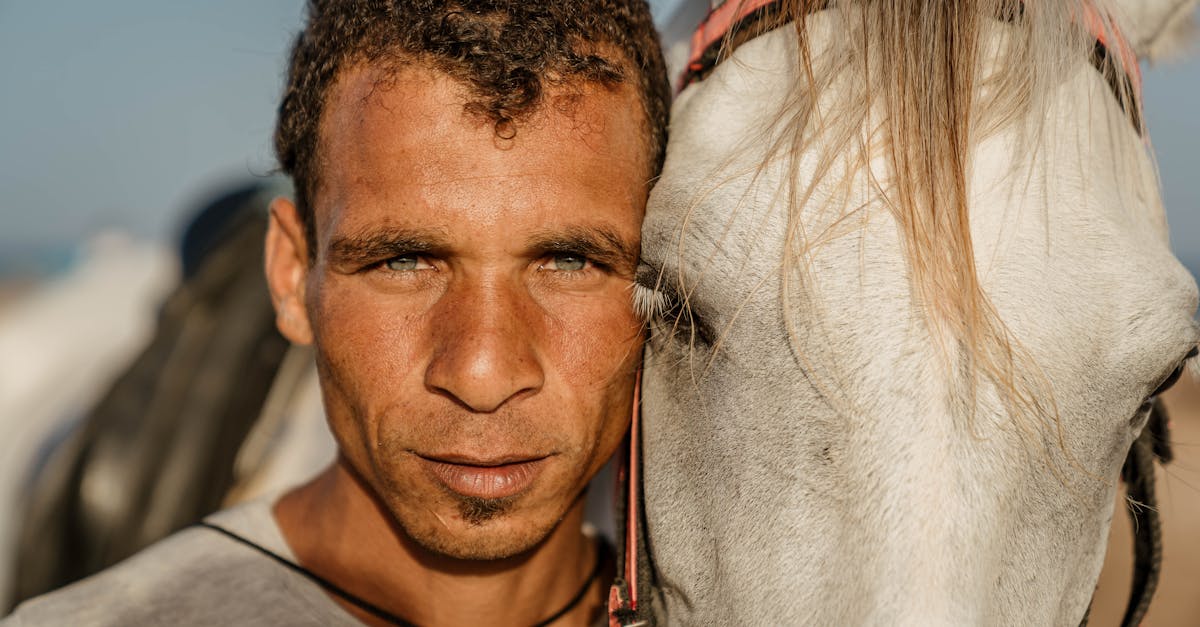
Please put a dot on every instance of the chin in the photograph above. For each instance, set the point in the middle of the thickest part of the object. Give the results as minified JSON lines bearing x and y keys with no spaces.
{"x":445,"y":523}
{"x":480,"y":531}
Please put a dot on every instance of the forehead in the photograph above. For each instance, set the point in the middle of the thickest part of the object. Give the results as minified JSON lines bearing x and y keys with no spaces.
{"x":402,"y":136}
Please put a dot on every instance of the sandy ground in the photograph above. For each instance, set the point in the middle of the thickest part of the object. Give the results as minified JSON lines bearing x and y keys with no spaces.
{"x":1178,"y":599}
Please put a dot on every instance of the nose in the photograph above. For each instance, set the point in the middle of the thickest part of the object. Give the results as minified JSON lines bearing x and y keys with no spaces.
{"x":485,"y":347}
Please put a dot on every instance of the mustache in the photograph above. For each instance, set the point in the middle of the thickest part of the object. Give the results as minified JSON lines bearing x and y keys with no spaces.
{"x":529,"y":433}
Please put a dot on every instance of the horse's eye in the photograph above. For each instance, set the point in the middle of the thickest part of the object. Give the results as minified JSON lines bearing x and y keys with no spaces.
{"x":1170,"y":381}
{"x":1175,"y":374}
{"x":657,"y":302}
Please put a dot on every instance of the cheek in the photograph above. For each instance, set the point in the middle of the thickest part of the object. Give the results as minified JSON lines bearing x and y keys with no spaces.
{"x":368,"y":344}
{"x":597,"y":346}
{"x":599,"y":349}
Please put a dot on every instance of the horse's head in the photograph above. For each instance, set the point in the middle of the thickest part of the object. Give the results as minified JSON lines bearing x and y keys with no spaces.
{"x":913,"y":291}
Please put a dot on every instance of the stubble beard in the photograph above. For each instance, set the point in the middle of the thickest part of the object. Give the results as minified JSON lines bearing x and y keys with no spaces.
{"x":486,"y":529}
{"x":486,"y":544}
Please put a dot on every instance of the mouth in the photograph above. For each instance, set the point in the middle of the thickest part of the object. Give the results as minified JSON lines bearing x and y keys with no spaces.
{"x":494,"y":478}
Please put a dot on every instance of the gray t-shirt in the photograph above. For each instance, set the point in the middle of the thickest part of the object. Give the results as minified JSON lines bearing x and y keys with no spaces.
{"x":195,"y":577}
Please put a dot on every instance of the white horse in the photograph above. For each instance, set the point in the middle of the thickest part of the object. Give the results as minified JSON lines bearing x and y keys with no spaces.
{"x":912,"y":290}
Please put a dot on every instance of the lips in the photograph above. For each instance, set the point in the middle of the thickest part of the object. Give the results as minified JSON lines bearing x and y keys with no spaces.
{"x":485,"y":479}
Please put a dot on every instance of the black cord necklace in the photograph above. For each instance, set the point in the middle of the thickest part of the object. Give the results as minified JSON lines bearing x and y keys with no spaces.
{"x":602,"y":557}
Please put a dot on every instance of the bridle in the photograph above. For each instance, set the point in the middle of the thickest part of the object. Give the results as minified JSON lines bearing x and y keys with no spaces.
{"x":726,"y":28}
{"x":736,"y":22}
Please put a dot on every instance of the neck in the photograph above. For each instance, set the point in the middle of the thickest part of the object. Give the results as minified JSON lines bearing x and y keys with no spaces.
{"x":337,"y":529}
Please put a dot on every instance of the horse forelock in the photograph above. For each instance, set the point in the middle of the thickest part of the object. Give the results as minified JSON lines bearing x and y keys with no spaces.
{"x":919,"y":85}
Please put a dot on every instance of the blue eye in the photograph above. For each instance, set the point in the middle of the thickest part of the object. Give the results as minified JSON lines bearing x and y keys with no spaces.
{"x":405,"y":263}
{"x":568,"y":263}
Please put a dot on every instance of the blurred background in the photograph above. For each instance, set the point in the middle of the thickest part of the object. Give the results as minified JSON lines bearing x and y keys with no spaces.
{"x":121,"y":120}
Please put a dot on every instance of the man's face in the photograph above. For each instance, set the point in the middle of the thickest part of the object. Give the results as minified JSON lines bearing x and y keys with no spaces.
{"x":470,"y":301}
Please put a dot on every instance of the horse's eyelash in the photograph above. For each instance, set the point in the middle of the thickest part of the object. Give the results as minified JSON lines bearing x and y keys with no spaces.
{"x":649,"y":304}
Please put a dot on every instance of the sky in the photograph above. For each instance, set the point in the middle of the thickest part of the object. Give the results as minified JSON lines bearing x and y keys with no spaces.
{"x":125,"y":113}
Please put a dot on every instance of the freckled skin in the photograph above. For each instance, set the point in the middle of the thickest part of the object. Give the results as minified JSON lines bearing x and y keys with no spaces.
{"x":485,"y":345}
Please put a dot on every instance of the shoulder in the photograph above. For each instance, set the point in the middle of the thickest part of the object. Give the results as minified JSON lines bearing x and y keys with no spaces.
{"x":198,"y":576}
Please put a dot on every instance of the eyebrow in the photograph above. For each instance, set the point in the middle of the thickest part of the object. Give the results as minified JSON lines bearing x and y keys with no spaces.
{"x":598,"y":243}
{"x":366,"y":248}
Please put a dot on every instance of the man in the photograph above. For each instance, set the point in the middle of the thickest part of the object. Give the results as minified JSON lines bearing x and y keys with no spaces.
{"x":470,"y":182}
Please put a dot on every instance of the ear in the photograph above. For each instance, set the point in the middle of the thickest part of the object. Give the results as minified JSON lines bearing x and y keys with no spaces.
{"x":1158,"y":29}
{"x":286,"y":263}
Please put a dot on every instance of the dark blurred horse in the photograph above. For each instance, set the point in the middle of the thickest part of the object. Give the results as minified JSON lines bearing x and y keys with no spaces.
{"x":158,"y":450}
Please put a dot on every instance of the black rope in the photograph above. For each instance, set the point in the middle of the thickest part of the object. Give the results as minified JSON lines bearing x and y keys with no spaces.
{"x":329,"y":586}
{"x":1138,"y":473}
{"x":603,"y":554}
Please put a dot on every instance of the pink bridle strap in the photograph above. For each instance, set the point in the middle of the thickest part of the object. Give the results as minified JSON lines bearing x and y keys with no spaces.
{"x":720,"y":21}
{"x":1113,"y":39}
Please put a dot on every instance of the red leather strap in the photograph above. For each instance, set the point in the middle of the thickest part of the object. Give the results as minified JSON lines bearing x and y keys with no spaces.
{"x":623,"y":596}
{"x":632,"y":514}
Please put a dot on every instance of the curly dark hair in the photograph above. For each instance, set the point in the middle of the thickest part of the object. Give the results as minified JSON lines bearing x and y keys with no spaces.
{"x":506,"y":52}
